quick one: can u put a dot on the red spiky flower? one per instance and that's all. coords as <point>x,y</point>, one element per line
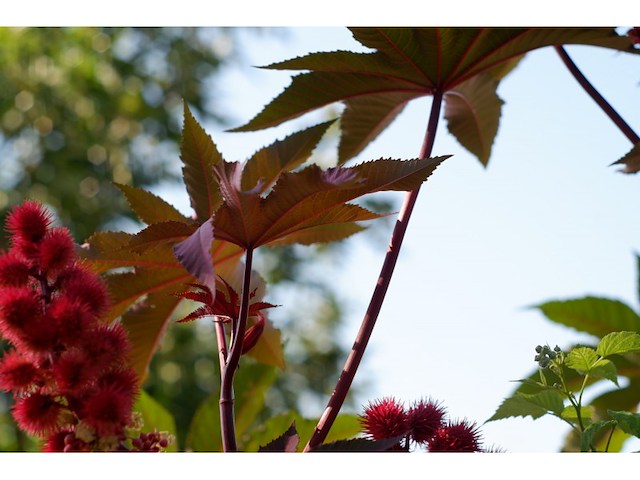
<point>457,436</point>
<point>384,418</point>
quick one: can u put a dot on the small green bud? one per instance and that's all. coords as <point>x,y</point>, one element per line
<point>538,349</point>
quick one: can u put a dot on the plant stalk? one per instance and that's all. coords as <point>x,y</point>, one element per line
<point>595,95</point>
<point>366,328</point>
<point>227,416</point>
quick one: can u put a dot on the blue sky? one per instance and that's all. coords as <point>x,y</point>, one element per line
<point>547,219</point>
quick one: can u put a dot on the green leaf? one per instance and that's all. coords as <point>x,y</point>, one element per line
<point>409,63</point>
<point>151,208</point>
<point>534,405</point>
<point>472,110</point>
<point>199,155</point>
<point>250,385</point>
<point>617,343</point>
<point>586,438</point>
<point>155,417</point>
<point>605,369</point>
<point>631,160</point>
<point>597,316</point>
<point>581,359</point>
<point>266,165</point>
<point>570,414</point>
<point>628,422</point>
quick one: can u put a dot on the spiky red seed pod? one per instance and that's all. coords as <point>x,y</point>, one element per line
<point>18,305</point>
<point>459,436</point>
<point>29,221</point>
<point>56,249</point>
<point>73,372</point>
<point>108,345</point>
<point>36,414</point>
<point>425,417</point>
<point>123,380</point>
<point>81,284</point>
<point>56,441</point>
<point>16,373</point>
<point>385,418</point>
<point>14,272</point>
<point>108,410</point>
<point>71,318</point>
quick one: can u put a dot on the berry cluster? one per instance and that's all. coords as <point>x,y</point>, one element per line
<point>68,370</point>
<point>545,355</point>
<point>423,423</point>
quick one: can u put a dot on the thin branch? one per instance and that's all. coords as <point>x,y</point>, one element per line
<point>364,334</point>
<point>227,417</point>
<point>599,99</point>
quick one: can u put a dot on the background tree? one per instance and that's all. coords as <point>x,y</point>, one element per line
<point>85,107</point>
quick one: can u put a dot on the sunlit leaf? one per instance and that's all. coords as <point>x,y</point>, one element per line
<point>581,359</point>
<point>617,343</point>
<point>569,413</point>
<point>269,350</point>
<point>199,155</point>
<point>534,405</point>
<point>149,207</point>
<point>146,324</point>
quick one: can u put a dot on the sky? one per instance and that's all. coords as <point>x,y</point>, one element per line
<point>547,219</point>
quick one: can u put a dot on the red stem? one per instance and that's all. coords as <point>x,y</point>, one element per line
<point>227,417</point>
<point>599,99</point>
<point>364,334</point>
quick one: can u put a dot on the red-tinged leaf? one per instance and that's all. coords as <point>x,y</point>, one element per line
<point>409,63</point>
<point>161,234</point>
<point>472,110</point>
<point>287,442</point>
<point>109,250</point>
<point>199,155</point>
<point>268,350</point>
<point>146,324</point>
<point>631,160</point>
<point>127,288</point>
<point>265,166</point>
<point>195,255</point>
<point>364,118</point>
<point>252,334</point>
<point>309,198</point>
<point>320,234</point>
<point>151,208</point>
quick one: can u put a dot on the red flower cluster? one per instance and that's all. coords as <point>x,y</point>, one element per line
<point>68,371</point>
<point>423,423</point>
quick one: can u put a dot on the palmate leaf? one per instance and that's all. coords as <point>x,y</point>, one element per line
<point>149,207</point>
<point>309,198</point>
<point>408,63</point>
